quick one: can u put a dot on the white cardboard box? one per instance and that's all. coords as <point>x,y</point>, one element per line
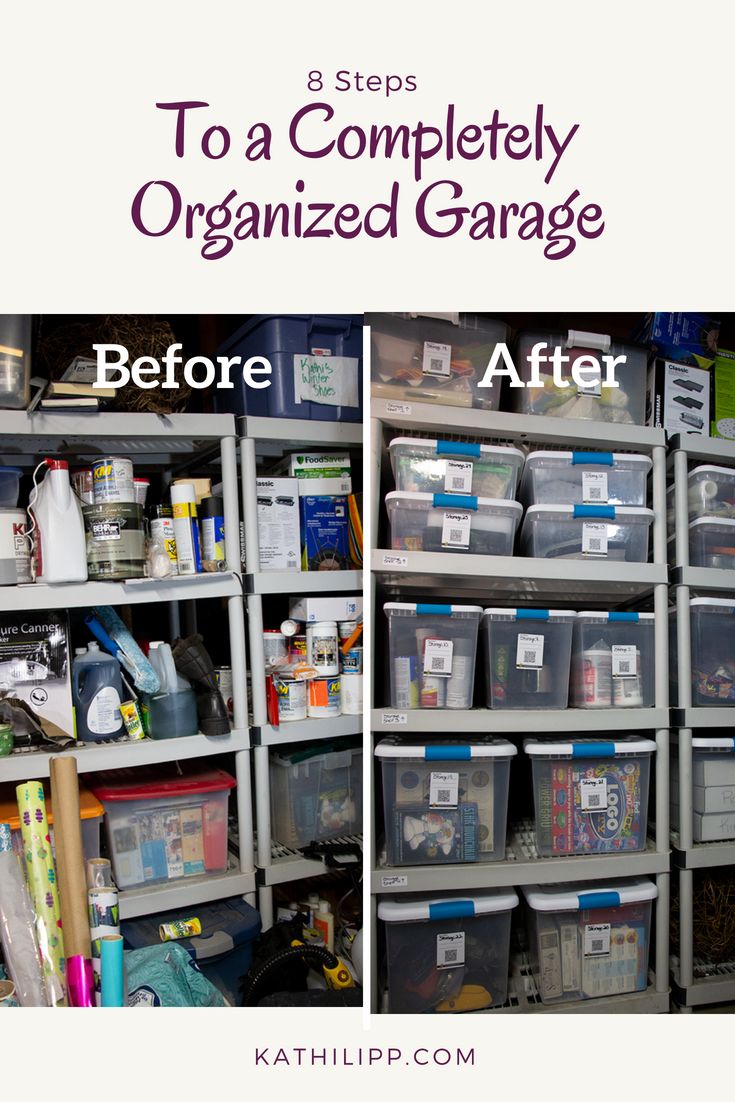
<point>713,828</point>
<point>715,798</point>
<point>279,534</point>
<point>714,769</point>
<point>311,609</point>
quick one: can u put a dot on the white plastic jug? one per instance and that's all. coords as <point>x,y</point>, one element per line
<point>59,545</point>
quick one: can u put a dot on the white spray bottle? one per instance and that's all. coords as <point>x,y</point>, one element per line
<point>59,544</point>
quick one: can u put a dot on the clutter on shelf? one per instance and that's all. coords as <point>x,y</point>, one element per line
<point>316,792</point>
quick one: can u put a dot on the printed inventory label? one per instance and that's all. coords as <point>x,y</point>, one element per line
<point>394,881</point>
<point>597,939</point>
<point>394,719</point>
<point>444,790</point>
<point>530,652</point>
<point>592,388</point>
<point>594,539</point>
<point>456,529</point>
<point>395,560</point>
<point>594,487</point>
<point>624,661</point>
<point>399,409</point>
<point>437,359</point>
<point>593,794</point>
<point>438,657</point>
<point>450,950</point>
<point>458,477</point>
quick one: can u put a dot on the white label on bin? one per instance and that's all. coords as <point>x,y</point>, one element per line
<point>594,487</point>
<point>394,719</point>
<point>400,409</point>
<point>597,939</point>
<point>394,881</point>
<point>437,359</point>
<point>625,661</point>
<point>456,529</point>
<point>458,477</point>
<point>450,950</point>
<point>591,387</point>
<point>395,560</point>
<point>444,790</point>
<point>593,794</point>
<point>594,539</point>
<point>530,652</point>
<point>438,657</point>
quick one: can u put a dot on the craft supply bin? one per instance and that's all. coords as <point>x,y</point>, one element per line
<point>451,467</point>
<point>445,802</point>
<point>459,523</point>
<point>315,794</point>
<point>585,478</point>
<point>623,404</point>
<point>527,657</point>
<point>618,533</point>
<point>712,626</point>
<point>590,796</point>
<point>434,358</point>
<point>613,660</point>
<point>165,827</point>
<point>432,650</point>
<point>590,940</point>
<point>448,953</point>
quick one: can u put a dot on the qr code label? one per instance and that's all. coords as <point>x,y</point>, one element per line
<point>438,655</point>
<point>624,661</point>
<point>458,477</point>
<point>437,359</point>
<point>456,530</point>
<point>450,949</point>
<point>594,487</point>
<point>597,939</point>
<point>594,539</point>
<point>444,790</point>
<point>593,794</point>
<point>530,652</point>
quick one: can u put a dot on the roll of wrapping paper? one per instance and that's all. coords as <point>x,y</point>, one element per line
<point>104,921</point>
<point>18,927</point>
<point>113,984</point>
<point>70,857</point>
<point>99,873</point>
<point>41,875</point>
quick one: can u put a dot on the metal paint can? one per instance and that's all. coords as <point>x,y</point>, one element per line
<point>112,478</point>
<point>291,699</point>
<point>351,662</point>
<point>224,683</point>
<point>324,698</point>
<point>15,526</point>
<point>115,541</point>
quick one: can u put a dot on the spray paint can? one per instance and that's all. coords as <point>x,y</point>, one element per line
<point>322,647</point>
<point>161,527</point>
<point>112,478</point>
<point>213,531</point>
<point>186,528</point>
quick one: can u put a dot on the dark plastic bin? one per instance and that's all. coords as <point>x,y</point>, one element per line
<point>280,337</point>
<point>224,948</point>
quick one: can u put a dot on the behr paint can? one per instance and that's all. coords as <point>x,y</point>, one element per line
<point>115,541</point>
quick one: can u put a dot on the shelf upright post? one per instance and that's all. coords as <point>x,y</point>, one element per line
<point>661,652</point>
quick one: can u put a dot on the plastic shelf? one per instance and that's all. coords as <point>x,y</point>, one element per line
<point>704,447</point>
<point>703,717</point>
<point>321,434</point>
<point>521,721</point>
<point>307,730</point>
<point>188,892</point>
<point>303,581</point>
<point>703,579</point>
<point>713,983</point>
<point>288,864</point>
<point>27,598</point>
<point>702,855</point>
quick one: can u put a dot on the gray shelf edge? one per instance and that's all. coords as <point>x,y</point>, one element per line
<point>27,598</point>
<point>702,717</point>
<point>704,578</point>
<point>704,855</point>
<point>294,431</point>
<point>167,896</point>
<point>151,426</point>
<point>703,447</point>
<point>307,730</point>
<point>302,581</point>
<point>510,721</point>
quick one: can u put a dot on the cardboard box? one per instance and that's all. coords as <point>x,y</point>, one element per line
<point>678,398</point>
<point>723,395</point>
<point>309,610</point>
<point>713,828</point>
<point>35,667</point>
<point>325,533</point>
<point>713,798</point>
<point>714,769</point>
<point>685,338</point>
<point>279,537</point>
<point>319,473</point>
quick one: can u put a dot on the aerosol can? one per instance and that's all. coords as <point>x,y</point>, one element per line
<point>57,527</point>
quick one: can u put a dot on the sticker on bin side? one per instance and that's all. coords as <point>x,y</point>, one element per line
<point>530,652</point>
<point>437,359</point>
<point>597,939</point>
<point>456,529</point>
<point>594,539</point>
<point>450,950</point>
<point>394,719</point>
<point>594,487</point>
<point>593,794</point>
<point>444,790</point>
<point>592,388</point>
<point>400,409</point>
<point>394,881</point>
<point>458,477</point>
<point>438,657</point>
<point>395,560</point>
<point>625,661</point>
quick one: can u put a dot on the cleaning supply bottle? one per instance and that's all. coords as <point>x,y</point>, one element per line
<point>59,544</point>
<point>324,924</point>
<point>172,712</point>
<point>97,692</point>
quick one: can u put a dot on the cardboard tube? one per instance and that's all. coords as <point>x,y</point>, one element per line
<point>70,857</point>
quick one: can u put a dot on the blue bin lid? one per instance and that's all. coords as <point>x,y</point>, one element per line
<point>226,924</point>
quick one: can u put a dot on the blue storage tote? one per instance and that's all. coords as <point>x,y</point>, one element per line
<point>286,340</point>
<point>224,948</point>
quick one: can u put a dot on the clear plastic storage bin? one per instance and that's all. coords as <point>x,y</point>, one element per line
<point>624,404</point>
<point>590,796</point>
<point>91,814</point>
<point>166,827</point>
<point>434,358</point>
<point>452,467</point>
<point>712,542</point>
<point>457,523</point>
<point>713,651</point>
<point>613,660</point>
<point>713,789</point>
<point>585,478</point>
<point>9,486</point>
<point>432,650</point>
<point>527,657</point>
<point>711,492</point>
<point>315,795</point>
<point>448,954</point>
<point>589,941</point>
<point>445,802</point>
<point>15,361</point>
<point>618,533</point>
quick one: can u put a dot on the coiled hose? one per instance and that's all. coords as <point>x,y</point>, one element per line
<point>313,954</point>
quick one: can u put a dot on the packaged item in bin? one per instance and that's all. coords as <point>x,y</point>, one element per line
<point>711,492</point>
<point>316,794</point>
<point>454,467</point>
<point>527,657</point>
<point>613,662</point>
<point>713,651</point>
<point>432,654</point>
<point>457,523</point>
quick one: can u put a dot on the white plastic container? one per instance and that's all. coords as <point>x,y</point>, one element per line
<point>448,953</point>
<point>527,657</point>
<point>712,542</point>
<point>613,660</point>
<point>713,651</point>
<point>591,796</point>
<point>322,647</point>
<point>585,478</point>
<point>315,797</point>
<point>624,404</point>
<point>617,533</point>
<point>590,940</point>
<point>432,650</point>
<point>446,802</point>
<point>713,789</point>
<point>59,543</point>
<point>454,467</point>
<point>452,522</point>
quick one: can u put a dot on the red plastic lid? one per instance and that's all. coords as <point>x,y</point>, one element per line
<point>56,464</point>
<point>192,784</point>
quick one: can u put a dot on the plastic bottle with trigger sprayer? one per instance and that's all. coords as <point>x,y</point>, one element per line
<point>59,543</point>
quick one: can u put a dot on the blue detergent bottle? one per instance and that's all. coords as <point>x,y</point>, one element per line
<point>97,692</point>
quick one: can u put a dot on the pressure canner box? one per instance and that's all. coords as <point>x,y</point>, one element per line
<point>35,668</point>
<point>309,610</point>
<point>319,473</point>
<point>279,538</point>
<point>678,398</point>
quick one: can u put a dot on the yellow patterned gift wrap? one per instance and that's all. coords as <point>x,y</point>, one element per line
<point>41,876</point>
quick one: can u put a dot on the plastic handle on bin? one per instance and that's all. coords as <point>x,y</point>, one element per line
<point>593,750</point>
<point>623,617</point>
<point>455,447</point>
<point>595,901</point>
<point>606,512</point>
<point>452,318</point>
<point>437,752</point>
<point>532,614</point>
<point>433,610</point>
<point>455,501</point>
<point>452,908</point>
<point>577,338</point>
<point>605,459</point>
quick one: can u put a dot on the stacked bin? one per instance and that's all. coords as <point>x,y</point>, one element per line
<point>711,495</point>
<point>528,654</point>
<point>432,652</point>
<point>713,789</point>
<point>613,660</point>
<point>712,625</point>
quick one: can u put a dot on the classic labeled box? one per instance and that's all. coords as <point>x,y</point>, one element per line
<point>279,537</point>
